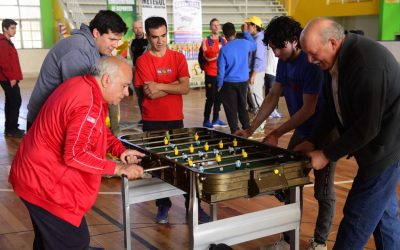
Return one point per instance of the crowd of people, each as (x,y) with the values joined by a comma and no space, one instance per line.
(341,89)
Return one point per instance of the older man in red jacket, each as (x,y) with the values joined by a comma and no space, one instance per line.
(58,166)
(10,75)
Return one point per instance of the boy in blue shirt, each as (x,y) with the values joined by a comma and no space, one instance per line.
(301,84)
(233,75)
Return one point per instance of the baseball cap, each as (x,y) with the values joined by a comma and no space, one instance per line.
(254,19)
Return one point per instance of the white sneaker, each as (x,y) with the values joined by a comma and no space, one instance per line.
(275,114)
(316,246)
(260,129)
(279,245)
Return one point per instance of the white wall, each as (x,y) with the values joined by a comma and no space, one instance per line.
(31,61)
(368,24)
(394,47)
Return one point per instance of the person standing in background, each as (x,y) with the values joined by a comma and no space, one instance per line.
(10,76)
(269,79)
(138,47)
(163,75)
(211,47)
(232,79)
(257,62)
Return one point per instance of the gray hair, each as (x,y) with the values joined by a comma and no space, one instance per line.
(333,30)
(106,65)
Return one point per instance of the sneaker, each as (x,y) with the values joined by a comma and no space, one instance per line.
(279,245)
(18,133)
(207,124)
(219,123)
(275,114)
(203,216)
(316,246)
(260,129)
(162,215)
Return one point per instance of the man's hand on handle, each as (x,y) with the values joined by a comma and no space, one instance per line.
(131,171)
(131,156)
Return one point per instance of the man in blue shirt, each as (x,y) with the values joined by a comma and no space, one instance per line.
(258,61)
(301,83)
(233,74)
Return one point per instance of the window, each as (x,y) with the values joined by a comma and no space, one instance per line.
(27,14)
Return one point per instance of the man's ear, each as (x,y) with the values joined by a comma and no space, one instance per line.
(334,43)
(105,80)
(95,33)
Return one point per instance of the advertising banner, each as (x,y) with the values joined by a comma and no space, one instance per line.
(154,8)
(187,21)
(188,35)
(126,9)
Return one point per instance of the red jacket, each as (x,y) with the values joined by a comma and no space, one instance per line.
(59,163)
(9,62)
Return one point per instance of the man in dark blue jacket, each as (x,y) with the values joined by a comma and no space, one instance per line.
(363,91)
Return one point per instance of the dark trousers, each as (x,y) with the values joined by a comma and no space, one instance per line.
(268,82)
(163,125)
(53,233)
(212,98)
(140,96)
(324,193)
(12,105)
(233,97)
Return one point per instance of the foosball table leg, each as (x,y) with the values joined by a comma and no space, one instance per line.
(294,235)
(193,209)
(213,211)
(126,213)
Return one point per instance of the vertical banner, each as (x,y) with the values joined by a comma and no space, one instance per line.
(154,8)
(188,35)
(187,21)
(126,9)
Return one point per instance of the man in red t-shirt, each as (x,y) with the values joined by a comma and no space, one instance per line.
(211,46)
(164,76)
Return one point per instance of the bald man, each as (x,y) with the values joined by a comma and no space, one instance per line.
(138,47)
(363,91)
(58,166)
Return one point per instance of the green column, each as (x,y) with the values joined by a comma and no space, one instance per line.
(46,11)
(389,21)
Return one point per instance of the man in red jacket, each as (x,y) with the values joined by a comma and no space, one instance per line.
(10,75)
(58,166)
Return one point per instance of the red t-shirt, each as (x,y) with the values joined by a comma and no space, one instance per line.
(166,69)
(211,54)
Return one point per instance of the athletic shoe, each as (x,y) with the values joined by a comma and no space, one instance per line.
(18,133)
(203,216)
(279,245)
(219,123)
(207,124)
(275,114)
(162,215)
(316,246)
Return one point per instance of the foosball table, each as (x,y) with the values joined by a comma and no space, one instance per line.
(214,166)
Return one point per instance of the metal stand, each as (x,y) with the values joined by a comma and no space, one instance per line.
(230,231)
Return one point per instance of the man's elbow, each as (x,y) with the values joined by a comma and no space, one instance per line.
(186,90)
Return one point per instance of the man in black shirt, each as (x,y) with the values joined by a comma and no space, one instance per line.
(138,47)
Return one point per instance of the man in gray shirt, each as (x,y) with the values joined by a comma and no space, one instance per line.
(75,56)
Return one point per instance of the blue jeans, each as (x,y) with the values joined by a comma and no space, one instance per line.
(371,208)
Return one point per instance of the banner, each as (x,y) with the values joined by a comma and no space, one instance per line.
(126,9)
(154,8)
(187,21)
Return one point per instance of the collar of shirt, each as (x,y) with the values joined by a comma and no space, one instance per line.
(334,69)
